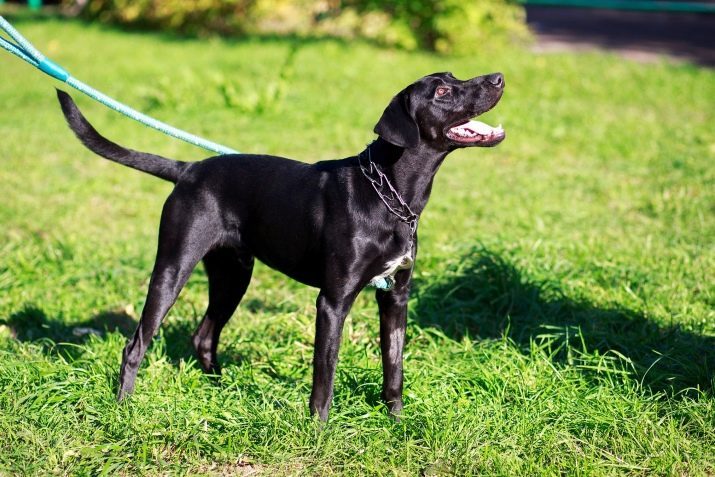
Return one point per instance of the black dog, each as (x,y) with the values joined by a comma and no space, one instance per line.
(335,225)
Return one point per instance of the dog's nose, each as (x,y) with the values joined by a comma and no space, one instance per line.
(497,79)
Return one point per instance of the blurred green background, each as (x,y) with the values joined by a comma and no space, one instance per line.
(445,25)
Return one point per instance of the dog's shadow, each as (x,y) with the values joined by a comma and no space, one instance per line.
(31,324)
(485,296)
(55,337)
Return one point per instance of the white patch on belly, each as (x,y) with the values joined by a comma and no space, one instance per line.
(402,262)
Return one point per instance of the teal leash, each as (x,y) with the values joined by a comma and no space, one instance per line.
(24,50)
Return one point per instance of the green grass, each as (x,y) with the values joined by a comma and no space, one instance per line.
(562,321)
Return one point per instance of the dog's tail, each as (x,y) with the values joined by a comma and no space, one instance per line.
(158,166)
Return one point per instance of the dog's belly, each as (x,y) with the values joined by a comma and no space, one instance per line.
(293,255)
(304,271)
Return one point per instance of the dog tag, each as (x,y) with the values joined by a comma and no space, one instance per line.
(383,283)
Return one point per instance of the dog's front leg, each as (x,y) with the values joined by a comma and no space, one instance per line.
(331,315)
(393,322)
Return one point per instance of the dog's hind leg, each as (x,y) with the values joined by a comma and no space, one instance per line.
(229,273)
(183,241)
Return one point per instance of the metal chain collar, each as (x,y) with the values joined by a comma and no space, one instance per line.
(401,210)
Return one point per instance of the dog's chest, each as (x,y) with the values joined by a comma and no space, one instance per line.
(386,280)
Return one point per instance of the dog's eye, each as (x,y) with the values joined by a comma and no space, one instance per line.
(441,91)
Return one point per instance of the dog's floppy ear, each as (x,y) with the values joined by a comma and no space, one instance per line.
(397,125)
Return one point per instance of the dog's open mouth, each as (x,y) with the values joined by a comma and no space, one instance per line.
(476,133)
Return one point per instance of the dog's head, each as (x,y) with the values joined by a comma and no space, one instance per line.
(437,110)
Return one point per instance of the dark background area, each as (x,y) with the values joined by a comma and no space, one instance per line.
(638,35)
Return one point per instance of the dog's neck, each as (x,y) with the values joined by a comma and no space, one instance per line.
(411,171)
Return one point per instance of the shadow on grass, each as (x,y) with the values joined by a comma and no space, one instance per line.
(31,324)
(483,296)
(486,296)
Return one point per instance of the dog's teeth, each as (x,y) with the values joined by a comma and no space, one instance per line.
(470,132)
(474,128)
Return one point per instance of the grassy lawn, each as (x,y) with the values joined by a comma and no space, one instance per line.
(562,320)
